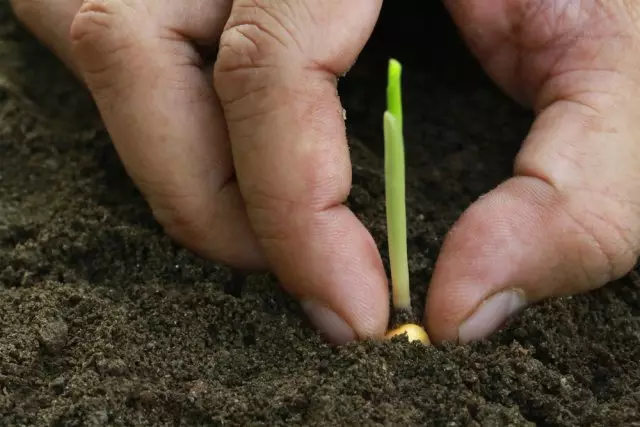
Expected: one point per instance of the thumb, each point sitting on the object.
(567, 222)
(276, 77)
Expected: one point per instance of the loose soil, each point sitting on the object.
(104, 321)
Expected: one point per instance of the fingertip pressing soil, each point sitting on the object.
(104, 321)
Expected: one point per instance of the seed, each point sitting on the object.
(413, 332)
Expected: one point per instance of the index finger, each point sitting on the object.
(140, 63)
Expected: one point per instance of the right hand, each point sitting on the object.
(253, 169)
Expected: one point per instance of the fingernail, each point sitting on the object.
(330, 325)
(491, 314)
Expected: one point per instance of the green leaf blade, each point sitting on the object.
(396, 210)
(394, 92)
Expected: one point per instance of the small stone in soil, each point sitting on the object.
(53, 335)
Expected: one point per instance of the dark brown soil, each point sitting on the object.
(103, 321)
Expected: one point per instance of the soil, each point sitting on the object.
(104, 321)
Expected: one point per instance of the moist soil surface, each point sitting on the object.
(104, 321)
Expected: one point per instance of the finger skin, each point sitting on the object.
(569, 220)
(165, 119)
(49, 21)
(276, 77)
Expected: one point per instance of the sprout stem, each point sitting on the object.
(395, 189)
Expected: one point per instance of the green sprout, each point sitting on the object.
(394, 166)
(395, 188)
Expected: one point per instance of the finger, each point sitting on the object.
(275, 74)
(49, 21)
(568, 222)
(165, 120)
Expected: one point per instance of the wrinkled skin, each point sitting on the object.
(207, 156)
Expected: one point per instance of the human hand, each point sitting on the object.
(252, 170)
(537, 232)
(569, 220)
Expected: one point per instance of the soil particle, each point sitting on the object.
(52, 334)
(105, 321)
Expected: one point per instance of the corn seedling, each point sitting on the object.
(394, 169)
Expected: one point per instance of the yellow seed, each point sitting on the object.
(413, 332)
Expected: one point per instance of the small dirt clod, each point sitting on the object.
(52, 335)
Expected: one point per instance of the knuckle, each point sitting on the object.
(246, 45)
(255, 34)
(100, 45)
(94, 19)
(254, 43)
(242, 46)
